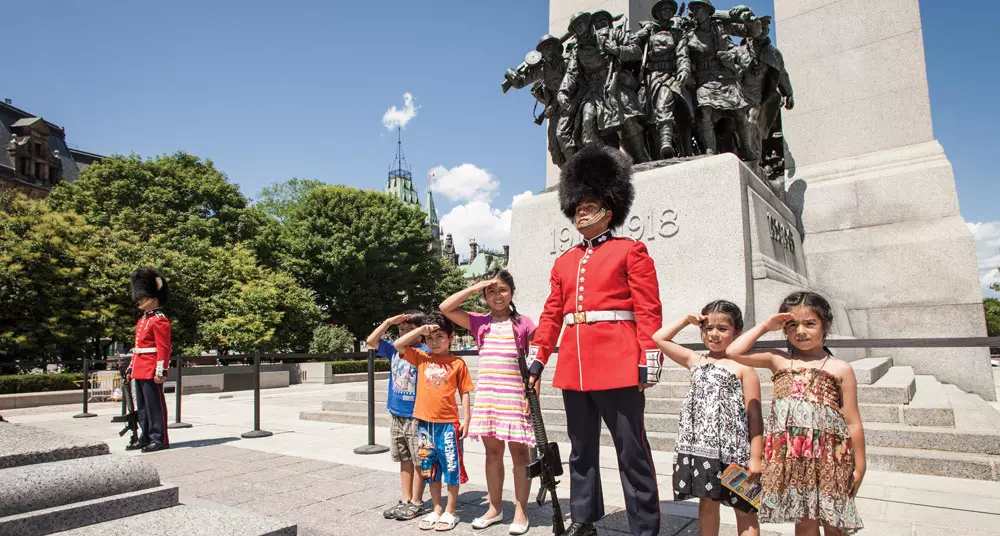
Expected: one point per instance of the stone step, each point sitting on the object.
(933, 462)
(80, 514)
(974, 465)
(870, 369)
(930, 405)
(896, 386)
(932, 438)
(971, 411)
(657, 401)
(27, 445)
(189, 521)
(46, 485)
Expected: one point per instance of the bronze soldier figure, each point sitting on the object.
(665, 73)
(717, 77)
(593, 82)
(765, 81)
(546, 70)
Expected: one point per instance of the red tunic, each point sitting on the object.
(614, 275)
(152, 332)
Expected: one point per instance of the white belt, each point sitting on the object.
(144, 350)
(587, 317)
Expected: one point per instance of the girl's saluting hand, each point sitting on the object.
(778, 321)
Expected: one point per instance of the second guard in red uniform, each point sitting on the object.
(606, 294)
(150, 358)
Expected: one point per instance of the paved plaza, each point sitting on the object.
(307, 473)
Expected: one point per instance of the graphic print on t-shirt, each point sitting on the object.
(435, 374)
(404, 379)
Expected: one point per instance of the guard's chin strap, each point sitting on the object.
(593, 220)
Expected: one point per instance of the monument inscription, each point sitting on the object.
(642, 226)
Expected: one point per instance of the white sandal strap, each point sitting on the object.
(432, 517)
(447, 518)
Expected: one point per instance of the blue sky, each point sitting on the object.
(272, 90)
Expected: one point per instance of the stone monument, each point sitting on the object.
(870, 219)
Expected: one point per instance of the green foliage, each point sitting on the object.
(280, 199)
(36, 383)
(365, 255)
(174, 197)
(331, 339)
(991, 306)
(46, 259)
(353, 367)
(176, 213)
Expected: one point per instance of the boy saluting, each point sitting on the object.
(150, 358)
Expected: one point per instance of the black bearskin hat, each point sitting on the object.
(149, 283)
(600, 173)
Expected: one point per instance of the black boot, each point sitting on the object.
(581, 529)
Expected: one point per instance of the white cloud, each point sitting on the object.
(464, 183)
(477, 219)
(399, 117)
(987, 236)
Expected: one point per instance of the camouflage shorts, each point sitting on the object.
(405, 439)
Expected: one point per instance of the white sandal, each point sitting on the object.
(448, 521)
(518, 529)
(429, 521)
(483, 523)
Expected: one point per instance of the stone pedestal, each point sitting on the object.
(713, 228)
(876, 193)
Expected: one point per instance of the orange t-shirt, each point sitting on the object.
(438, 378)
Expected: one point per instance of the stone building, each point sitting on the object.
(400, 185)
(481, 260)
(34, 155)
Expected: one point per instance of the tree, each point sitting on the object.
(365, 255)
(331, 338)
(176, 197)
(991, 306)
(280, 199)
(181, 215)
(45, 301)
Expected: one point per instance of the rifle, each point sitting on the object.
(131, 415)
(548, 464)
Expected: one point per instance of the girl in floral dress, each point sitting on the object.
(500, 413)
(814, 446)
(720, 421)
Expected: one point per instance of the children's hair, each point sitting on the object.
(417, 318)
(504, 275)
(442, 322)
(817, 303)
(727, 308)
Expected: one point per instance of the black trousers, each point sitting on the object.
(152, 411)
(622, 411)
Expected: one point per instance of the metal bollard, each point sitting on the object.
(371, 447)
(178, 390)
(256, 432)
(86, 391)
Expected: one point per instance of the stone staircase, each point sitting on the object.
(913, 423)
(53, 483)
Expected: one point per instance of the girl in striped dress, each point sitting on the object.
(500, 412)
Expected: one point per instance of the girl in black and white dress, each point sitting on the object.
(720, 418)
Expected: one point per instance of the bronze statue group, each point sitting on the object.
(679, 86)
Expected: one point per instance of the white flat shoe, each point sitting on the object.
(481, 523)
(519, 529)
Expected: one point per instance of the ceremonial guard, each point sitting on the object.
(606, 293)
(150, 358)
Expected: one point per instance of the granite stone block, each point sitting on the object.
(34, 487)
(26, 445)
(80, 514)
(189, 521)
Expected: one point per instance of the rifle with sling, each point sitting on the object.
(548, 464)
(131, 415)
